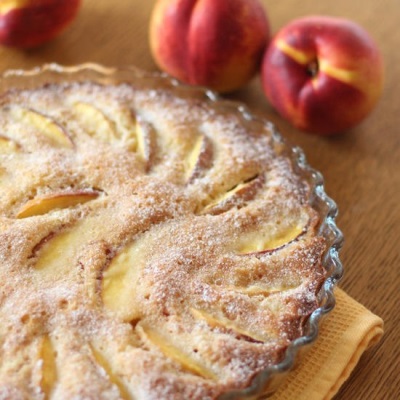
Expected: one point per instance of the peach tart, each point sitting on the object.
(155, 242)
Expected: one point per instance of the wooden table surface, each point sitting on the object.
(361, 168)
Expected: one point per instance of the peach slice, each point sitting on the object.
(236, 196)
(260, 244)
(95, 122)
(49, 367)
(43, 204)
(221, 321)
(7, 145)
(126, 128)
(114, 379)
(47, 126)
(119, 282)
(146, 142)
(174, 353)
(58, 254)
(199, 159)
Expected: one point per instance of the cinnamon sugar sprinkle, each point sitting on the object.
(181, 280)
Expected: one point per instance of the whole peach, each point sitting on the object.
(29, 23)
(323, 74)
(214, 43)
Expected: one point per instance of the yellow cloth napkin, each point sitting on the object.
(344, 336)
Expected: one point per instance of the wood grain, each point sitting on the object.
(361, 168)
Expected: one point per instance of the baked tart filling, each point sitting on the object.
(153, 246)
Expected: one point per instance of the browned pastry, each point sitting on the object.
(152, 246)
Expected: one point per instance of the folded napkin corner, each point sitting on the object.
(344, 336)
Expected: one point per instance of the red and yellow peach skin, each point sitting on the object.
(323, 74)
(212, 43)
(29, 23)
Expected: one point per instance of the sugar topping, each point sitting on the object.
(153, 245)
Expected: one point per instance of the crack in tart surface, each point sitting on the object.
(152, 245)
